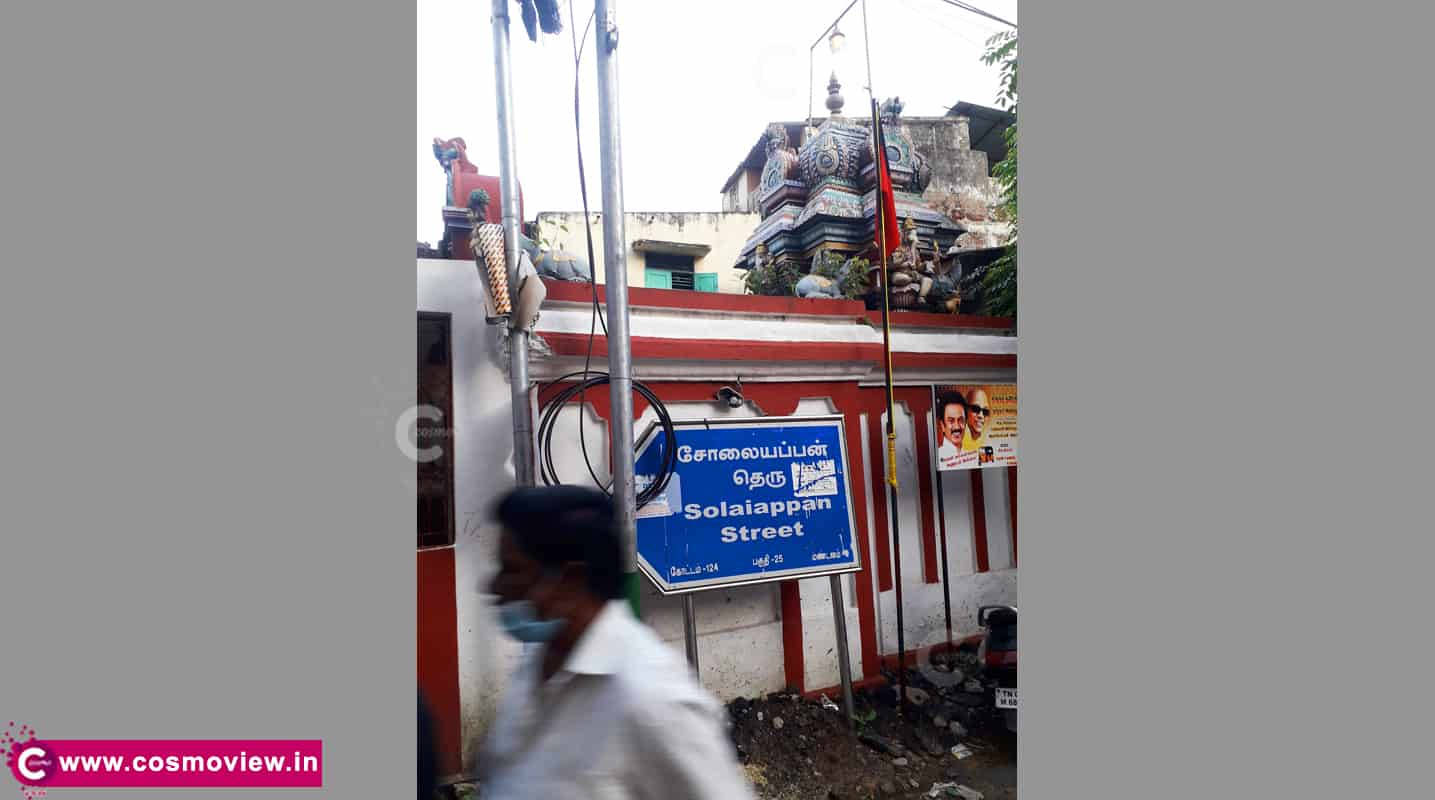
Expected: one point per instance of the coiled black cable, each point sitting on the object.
(589, 380)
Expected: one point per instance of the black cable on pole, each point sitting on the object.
(582, 175)
(597, 316)
(588, 379)
(548, 471)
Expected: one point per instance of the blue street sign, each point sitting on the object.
(750, 501)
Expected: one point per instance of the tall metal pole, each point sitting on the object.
(891, 435)
(844, 666)
(690, 633)
(523, 461)
(615, 277)
(879, 146)
(937, 414)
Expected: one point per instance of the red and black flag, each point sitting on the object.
(887, 232)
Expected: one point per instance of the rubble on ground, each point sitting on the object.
(804, 751)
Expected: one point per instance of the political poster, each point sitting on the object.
(975, 425)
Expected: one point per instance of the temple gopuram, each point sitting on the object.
(816, 192)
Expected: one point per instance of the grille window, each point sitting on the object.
(435, 390)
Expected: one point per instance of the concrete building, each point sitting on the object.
(740, 191)
(667, 250)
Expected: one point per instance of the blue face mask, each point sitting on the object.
(520, 620)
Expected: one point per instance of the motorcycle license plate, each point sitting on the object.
(1006, 698)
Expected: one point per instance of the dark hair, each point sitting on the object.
(950, 399)
(557, 524)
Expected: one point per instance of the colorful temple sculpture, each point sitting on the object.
(471, 199)
(818, 207)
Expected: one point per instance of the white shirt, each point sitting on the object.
(948, 451)
(949, 456)
(622, 718)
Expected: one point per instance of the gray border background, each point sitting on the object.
(1224, 371)
(207, 339)
(208, 331)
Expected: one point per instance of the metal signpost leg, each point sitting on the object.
(523, 445)
(938, 413)
(615, 278)
(844, 667)
(690, 633)
(946, 579)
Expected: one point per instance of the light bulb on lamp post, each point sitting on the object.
(836, 41)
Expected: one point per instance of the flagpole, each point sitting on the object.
(880, 157)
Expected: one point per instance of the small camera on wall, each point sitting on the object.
(732, 396)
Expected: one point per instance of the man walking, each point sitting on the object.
(602, 708)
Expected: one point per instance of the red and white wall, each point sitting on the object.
(792, 356)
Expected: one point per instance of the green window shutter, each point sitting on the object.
(705, 281)
(657, 279)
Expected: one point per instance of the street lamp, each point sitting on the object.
(835, 42)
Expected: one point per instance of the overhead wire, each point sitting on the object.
(978, 11)
(588, 379)
(941, 23)
(597, 316)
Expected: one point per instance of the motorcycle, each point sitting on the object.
(997, 654)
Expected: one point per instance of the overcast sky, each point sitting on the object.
(698, 81)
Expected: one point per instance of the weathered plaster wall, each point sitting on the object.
(961, 186)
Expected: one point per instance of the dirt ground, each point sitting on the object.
(795, 749)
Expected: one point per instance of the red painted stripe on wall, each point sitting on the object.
(660, 348)
(979, 522)
(919, 402)
(794, 666)
(953, 360)
(438, 651)
(641, 297)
